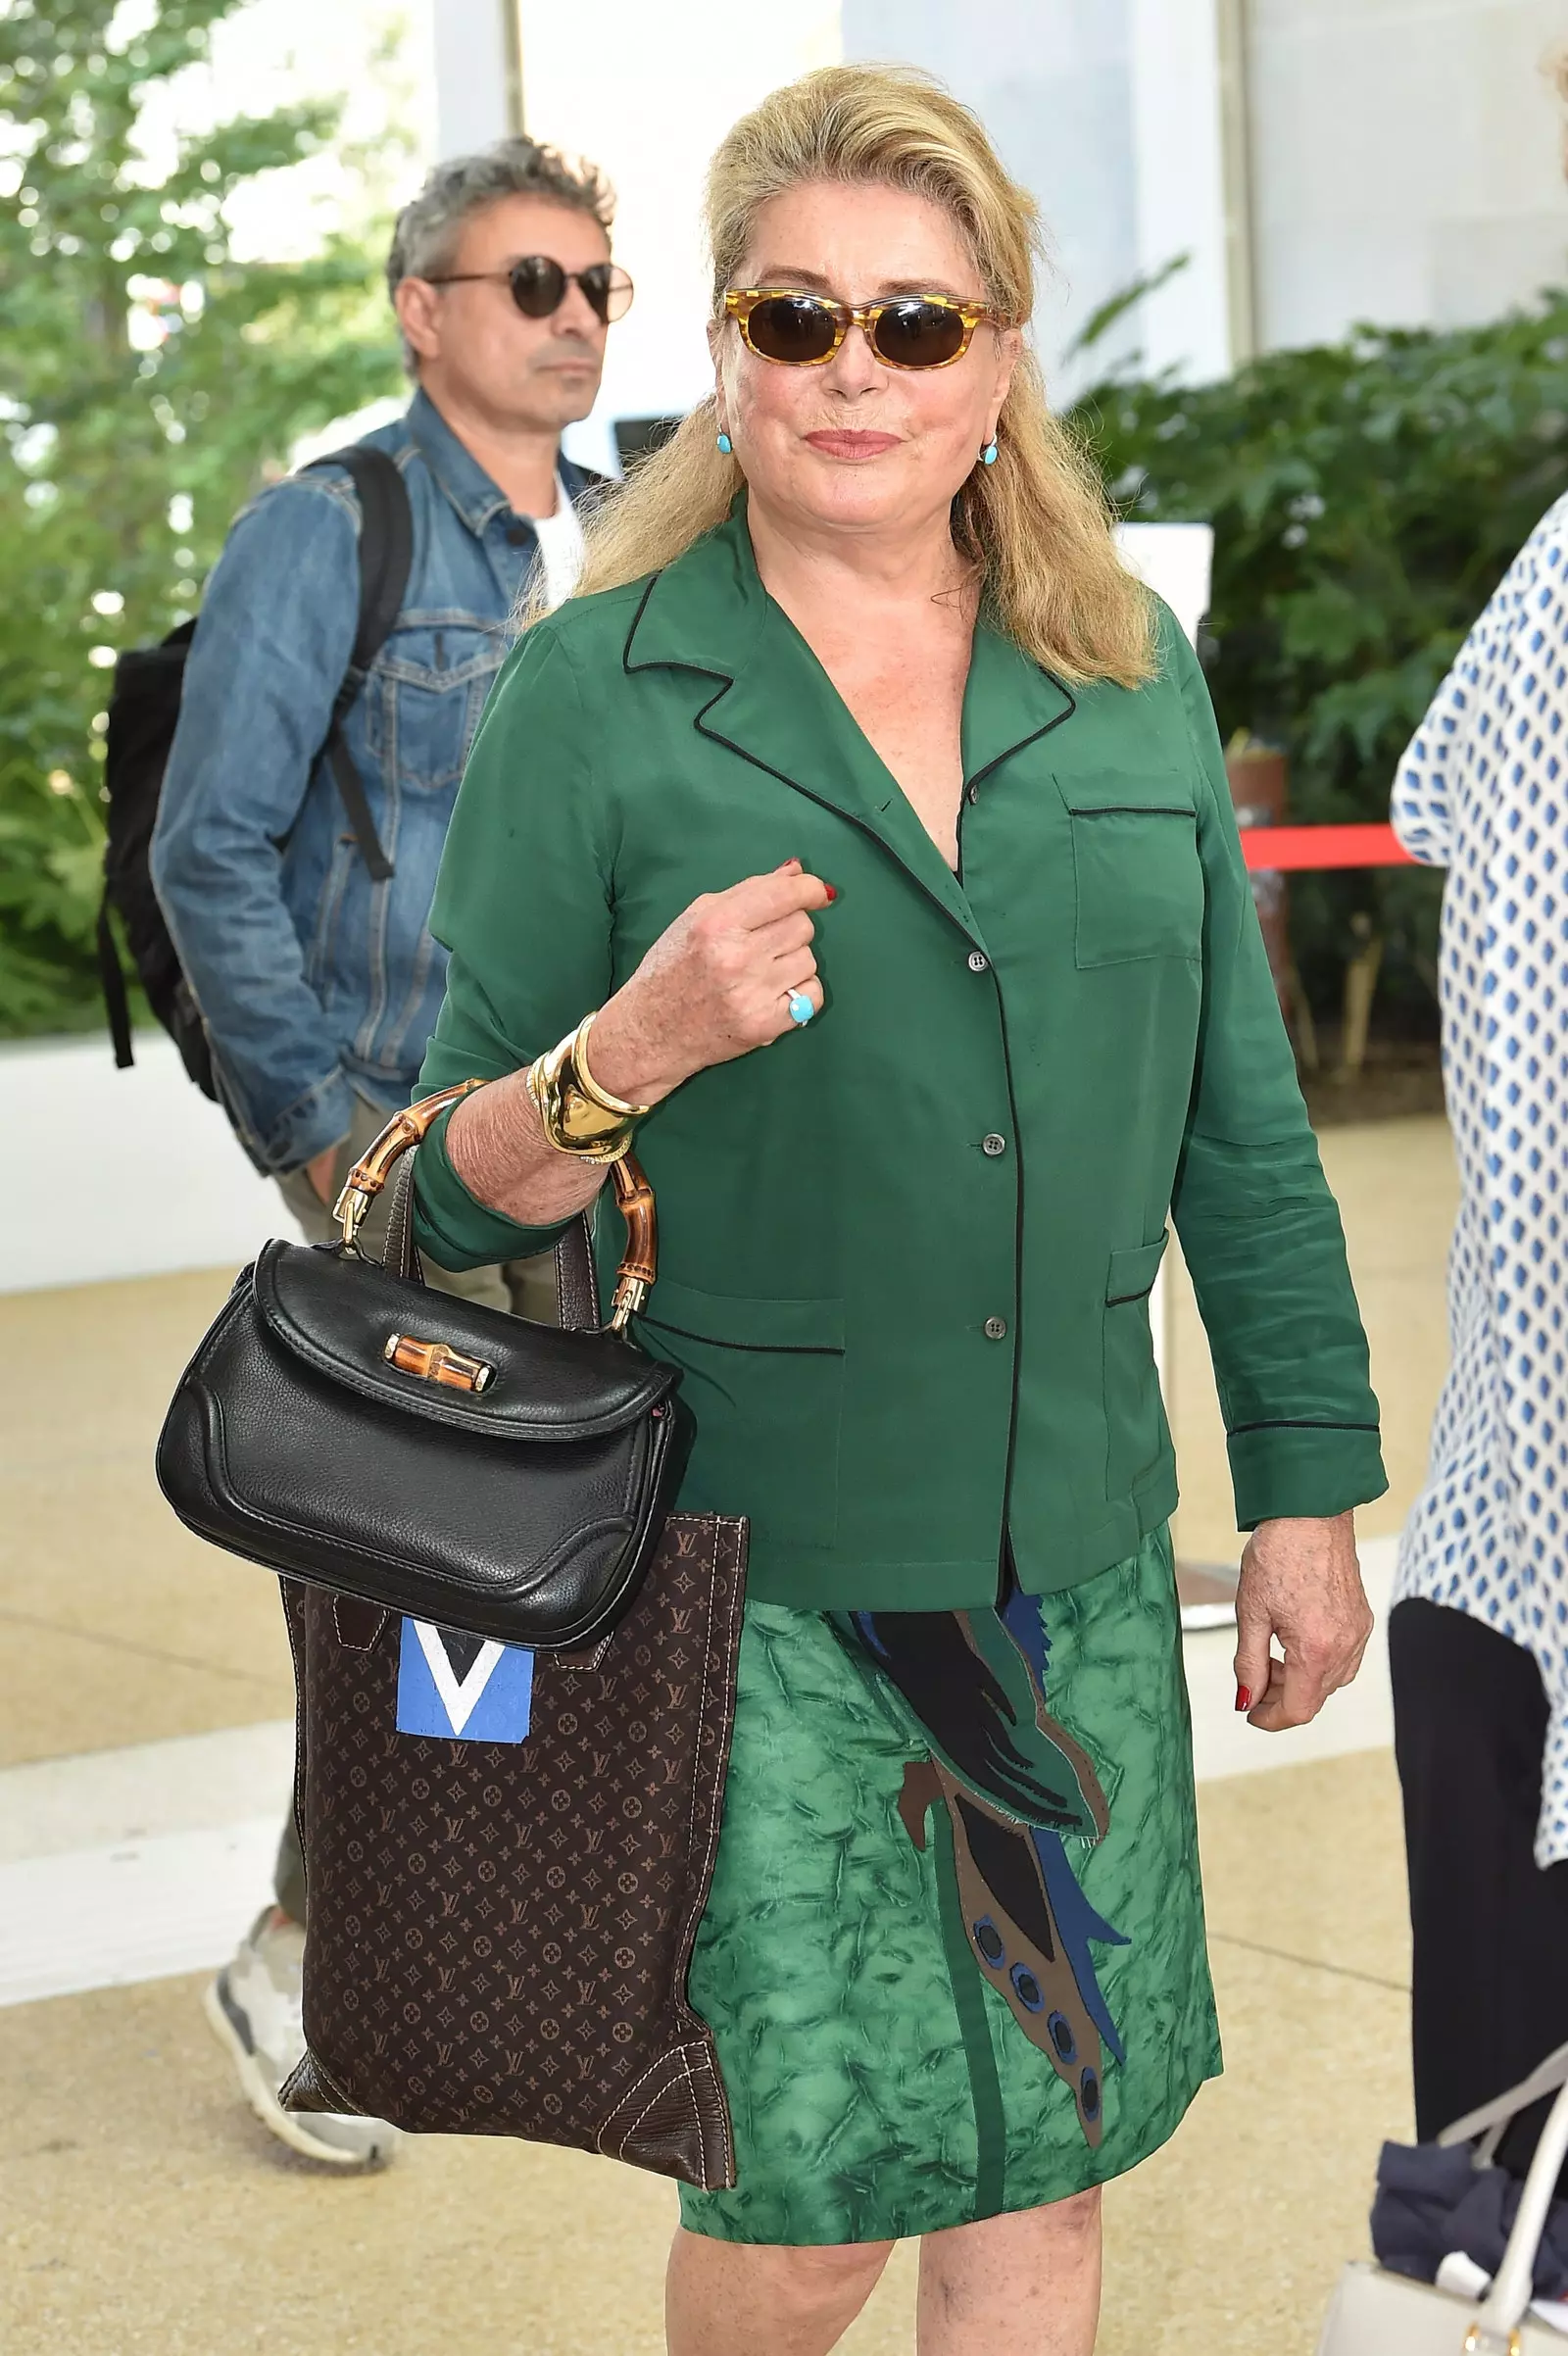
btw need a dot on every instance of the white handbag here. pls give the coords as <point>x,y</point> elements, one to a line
<point>1375,2313</point>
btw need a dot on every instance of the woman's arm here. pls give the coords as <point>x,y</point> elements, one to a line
<point>713,987</point>
<point>1261,1236</point>
<point>524,904</point>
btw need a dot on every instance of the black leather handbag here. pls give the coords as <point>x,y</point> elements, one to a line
<point>349,1428</point>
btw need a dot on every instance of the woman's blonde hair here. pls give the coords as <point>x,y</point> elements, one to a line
<point>1036,523</point>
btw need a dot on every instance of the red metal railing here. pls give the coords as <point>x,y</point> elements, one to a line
<point>1288,849</point>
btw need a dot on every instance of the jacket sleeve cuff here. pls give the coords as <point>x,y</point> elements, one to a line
<point>454,1227</point>
<point>321,1116</point>
<point>1303,1469</point>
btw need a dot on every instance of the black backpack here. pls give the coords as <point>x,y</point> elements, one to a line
<point>143,711</point>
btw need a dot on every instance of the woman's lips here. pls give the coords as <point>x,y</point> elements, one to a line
<point>853,445</point>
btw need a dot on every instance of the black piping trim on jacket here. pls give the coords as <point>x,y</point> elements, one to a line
<point>970,785</point>
<point>797,1350</point>
<point>1301,1423</point>
<point>714,737</point>
<point>1129,809</point>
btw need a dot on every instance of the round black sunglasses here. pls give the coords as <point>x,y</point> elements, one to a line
<point>539,287</point>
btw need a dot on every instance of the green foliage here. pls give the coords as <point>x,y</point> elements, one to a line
<point>150,382</point>
<point>1366,499</point>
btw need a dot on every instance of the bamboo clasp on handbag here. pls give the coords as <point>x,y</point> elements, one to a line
<point>639,1266</point>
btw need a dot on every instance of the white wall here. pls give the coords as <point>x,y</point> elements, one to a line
<point>121,1173</point>
<point>648,93</point>
<point>1108,110</point>
<point>469,45</point>
<point>1406,161</point>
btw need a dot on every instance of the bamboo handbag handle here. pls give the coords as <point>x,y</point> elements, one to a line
<point>634,1197</point>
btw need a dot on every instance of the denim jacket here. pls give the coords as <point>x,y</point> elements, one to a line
<point>315,983</point>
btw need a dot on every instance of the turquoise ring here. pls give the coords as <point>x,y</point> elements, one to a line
<point>801,1008</point>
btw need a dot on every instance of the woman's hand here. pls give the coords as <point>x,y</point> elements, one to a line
<point>1300,1582</point>
<point>712,987</point>
<point>715,986</point>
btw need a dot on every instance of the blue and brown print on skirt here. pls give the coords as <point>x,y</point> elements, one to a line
<point>954,1954</point>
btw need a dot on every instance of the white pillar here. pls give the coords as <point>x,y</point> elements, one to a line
<point>1178,146</point>
<point>477,96</point>
<point>648,92</point>
<point>1109,112</point>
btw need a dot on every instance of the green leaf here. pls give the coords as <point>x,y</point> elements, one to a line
<point>1366,499</point>
<point>102,438</point>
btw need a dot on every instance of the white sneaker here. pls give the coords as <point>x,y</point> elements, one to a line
<point>254,2007</point>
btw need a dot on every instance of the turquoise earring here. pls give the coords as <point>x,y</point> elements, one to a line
<point>987,455</point>
<point>725,444</point>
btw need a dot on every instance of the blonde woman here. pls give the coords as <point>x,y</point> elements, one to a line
<point>861,743</point>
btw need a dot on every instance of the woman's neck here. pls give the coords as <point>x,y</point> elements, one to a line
<point>806,567</point>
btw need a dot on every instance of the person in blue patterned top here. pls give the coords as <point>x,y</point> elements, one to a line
<point>1479,1633</point>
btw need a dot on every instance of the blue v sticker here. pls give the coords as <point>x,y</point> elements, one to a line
<point>463,1686</point>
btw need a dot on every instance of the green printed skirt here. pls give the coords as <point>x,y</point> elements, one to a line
<point>954,1954</point>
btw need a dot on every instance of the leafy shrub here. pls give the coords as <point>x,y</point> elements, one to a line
<point>149,382</point>
<point>1366,499</point>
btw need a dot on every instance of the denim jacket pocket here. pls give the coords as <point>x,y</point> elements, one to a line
<point>428,689</point>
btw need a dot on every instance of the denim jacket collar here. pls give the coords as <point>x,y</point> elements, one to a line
<point>475,497</point>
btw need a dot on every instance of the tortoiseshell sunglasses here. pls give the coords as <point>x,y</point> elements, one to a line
<point>906,332</point>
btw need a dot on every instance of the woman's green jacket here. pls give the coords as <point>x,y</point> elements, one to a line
<point>906,1252</point>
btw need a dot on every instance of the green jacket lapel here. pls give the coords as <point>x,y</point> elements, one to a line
<point>776,708</point>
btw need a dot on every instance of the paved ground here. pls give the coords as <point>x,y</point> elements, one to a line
<point>140,2209</point>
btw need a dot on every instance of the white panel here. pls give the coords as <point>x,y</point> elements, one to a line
<point>145,1790</point>
<point>141,1910</point>
<point>470,74</point>
<point>1108,111</point>
<point>648,93</point>
<point>1406,161</point>
<point>121,1173</point>
<point>1178,149</point>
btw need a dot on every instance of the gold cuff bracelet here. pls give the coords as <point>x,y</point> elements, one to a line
<point>576,1114</point>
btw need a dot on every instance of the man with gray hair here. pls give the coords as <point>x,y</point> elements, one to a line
<point>304,939</point>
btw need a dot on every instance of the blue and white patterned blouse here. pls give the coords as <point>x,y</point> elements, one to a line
<point>1482,790</point>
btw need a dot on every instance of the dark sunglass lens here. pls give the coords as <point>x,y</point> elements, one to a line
<point>795,328</point>
<point>918,336</point>
<point>538,285</point>
<point>607,289</point>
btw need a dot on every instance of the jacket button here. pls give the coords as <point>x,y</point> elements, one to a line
<point>518,534</point>
<point>974,796</point>
<point>978,960</point>
<point>996,1329</point>
<point>993,1145</point>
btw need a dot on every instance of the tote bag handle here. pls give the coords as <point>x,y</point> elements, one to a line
<point>1496,2329</point>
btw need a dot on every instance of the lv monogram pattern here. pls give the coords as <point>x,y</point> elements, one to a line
<point>499,1934</point>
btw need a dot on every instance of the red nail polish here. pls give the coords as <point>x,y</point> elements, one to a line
<point>1243,1697</point>
<point>831,890</point>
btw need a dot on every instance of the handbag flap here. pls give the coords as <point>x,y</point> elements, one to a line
<point>535,1383</point>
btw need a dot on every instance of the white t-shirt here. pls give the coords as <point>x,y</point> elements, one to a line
<point>561,547</point>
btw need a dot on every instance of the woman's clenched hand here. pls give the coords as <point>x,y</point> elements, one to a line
<point>1300,1582</point>
<point>715,986</point>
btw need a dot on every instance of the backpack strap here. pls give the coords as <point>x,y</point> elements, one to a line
<point>386,553</point>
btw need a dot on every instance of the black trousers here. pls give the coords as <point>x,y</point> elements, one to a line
<point>1489,1993</point>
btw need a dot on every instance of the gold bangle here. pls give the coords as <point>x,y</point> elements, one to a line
<point>590,1086</point>
<point>578,1116</point>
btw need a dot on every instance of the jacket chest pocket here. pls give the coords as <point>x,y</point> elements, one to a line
<point>1136,875</point>
<point>765,1383</point>
<point>432,678</point>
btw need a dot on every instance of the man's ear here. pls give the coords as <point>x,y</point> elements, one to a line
<point>418,306</point>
